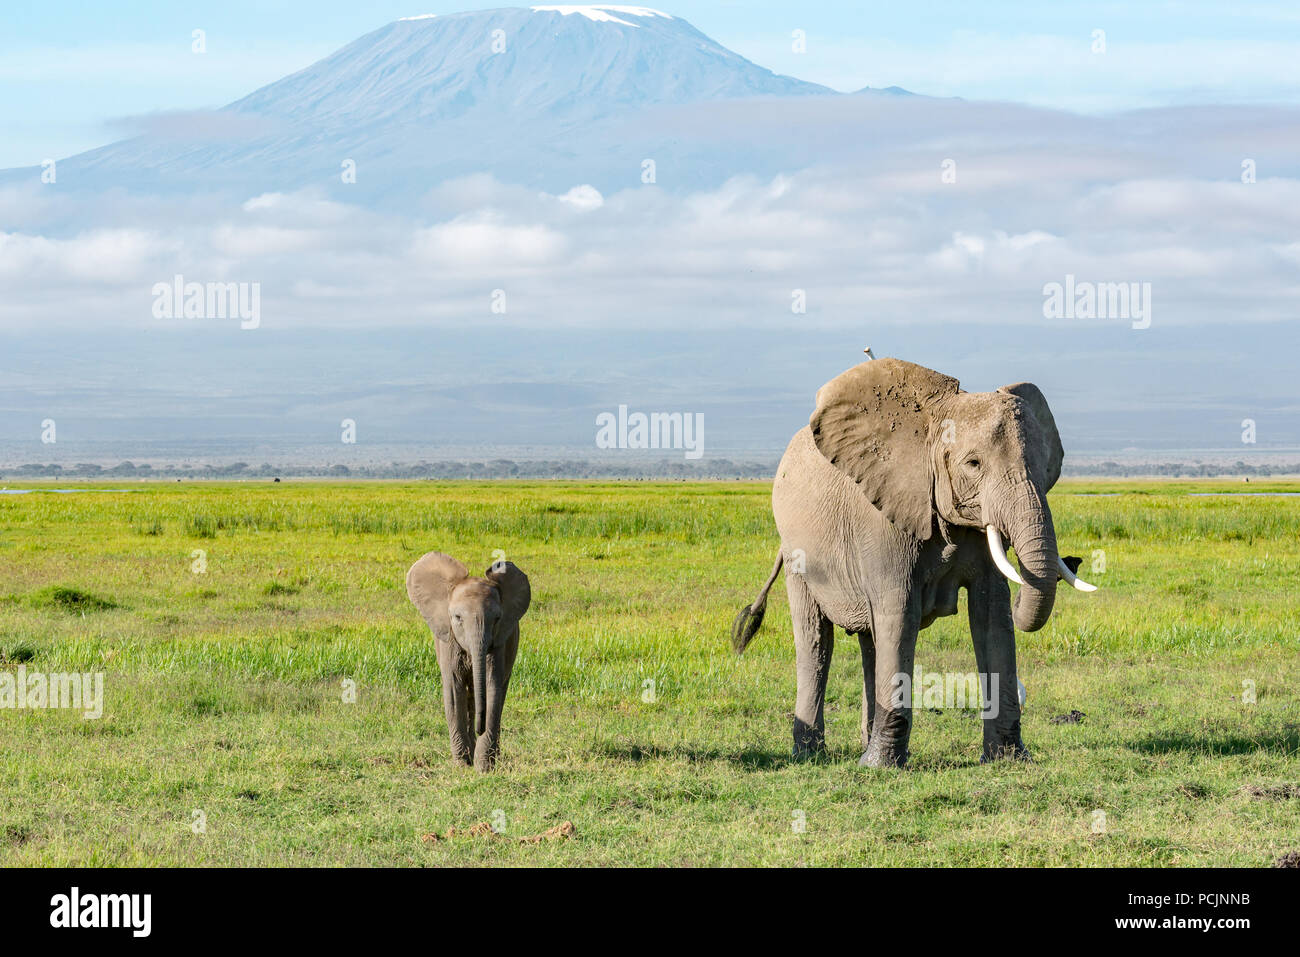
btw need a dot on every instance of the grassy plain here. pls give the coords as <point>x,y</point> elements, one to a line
<point>224,686</point>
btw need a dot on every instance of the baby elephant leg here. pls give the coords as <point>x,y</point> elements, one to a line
<point>500,663</point>
<point>457,704</point>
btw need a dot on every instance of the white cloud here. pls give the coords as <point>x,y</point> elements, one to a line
<point>487,245</point>
<point>882,236</point>
<point>34,266</point>
<point>583,198</point>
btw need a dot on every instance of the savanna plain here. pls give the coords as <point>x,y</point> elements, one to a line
<point>272,698</point>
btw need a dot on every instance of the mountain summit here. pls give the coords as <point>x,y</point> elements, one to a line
<point>554,63</point>
<point>547,96</point>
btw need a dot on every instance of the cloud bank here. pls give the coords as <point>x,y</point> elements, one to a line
<point>930,226</point>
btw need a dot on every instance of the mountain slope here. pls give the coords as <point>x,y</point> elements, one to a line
<point>543,96</point>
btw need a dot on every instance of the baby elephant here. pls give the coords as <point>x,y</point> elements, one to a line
<point>476,623</point>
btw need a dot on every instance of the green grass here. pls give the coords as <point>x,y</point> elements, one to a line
<point>227,617</point>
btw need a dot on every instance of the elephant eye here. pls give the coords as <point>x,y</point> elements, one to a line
<point>973,463</point>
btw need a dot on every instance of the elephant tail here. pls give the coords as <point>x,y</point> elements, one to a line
<point>750,618</point>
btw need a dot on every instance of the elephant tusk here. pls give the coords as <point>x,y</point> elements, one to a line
<point>1072,578</point>
<point>999,553</point>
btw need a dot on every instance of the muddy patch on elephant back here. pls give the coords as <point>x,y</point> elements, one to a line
<point>1072,717</point>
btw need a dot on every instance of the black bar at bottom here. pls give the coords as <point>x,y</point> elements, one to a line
<point>334,906</point>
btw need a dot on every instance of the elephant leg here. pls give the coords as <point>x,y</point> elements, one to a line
<point>994,636</point>
<point>500,664</point>
<point>456,698</point>
<point>891,728</point>
<point>868,645</point>
<point>814,640</point>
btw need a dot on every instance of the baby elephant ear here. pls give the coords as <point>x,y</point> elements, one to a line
<point>513,586</point>
<point>873,424</point>
<point>1050,446</point>
<point>429,584</point>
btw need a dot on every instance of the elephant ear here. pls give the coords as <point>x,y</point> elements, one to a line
<point>429,584</point>
<point>513,586</point>
<point>873,424</point>
<point>1052,451</point>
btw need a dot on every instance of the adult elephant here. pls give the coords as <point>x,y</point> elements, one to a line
<point>899,492</point>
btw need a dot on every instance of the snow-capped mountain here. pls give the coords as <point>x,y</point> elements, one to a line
<point>547,96</point>
<point>558,63</point>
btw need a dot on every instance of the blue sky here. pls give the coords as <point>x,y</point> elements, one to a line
<point>69,70</point>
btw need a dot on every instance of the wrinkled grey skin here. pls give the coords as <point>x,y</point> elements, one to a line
<point>887,520</point>
<point>476,624</point>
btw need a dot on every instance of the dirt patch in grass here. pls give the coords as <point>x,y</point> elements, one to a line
<point>561,832</point>
<point>1273,792</point>
<point>1073,717</point>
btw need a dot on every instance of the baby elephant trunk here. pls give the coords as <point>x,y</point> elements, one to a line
<point>478,662</point>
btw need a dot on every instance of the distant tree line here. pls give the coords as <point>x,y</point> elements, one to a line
<point>492,469</point>
<point>1180,470</point>
<point>560,469</point>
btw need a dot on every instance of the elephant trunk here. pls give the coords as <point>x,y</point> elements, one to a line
<point>478,663</point>
<point>1028,522</point>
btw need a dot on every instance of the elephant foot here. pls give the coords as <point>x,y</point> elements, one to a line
<point>883,757</point>
<point>809,741</point>
<point>485,756</point>
<point>461,753</point>
<point>804,756</point>
<point>1008,751</point>
<point>808,753</point>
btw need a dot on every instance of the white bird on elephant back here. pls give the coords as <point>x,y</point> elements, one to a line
<point>895,496</point>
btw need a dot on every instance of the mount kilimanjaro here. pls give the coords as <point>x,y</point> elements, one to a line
<point>547,96</point>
